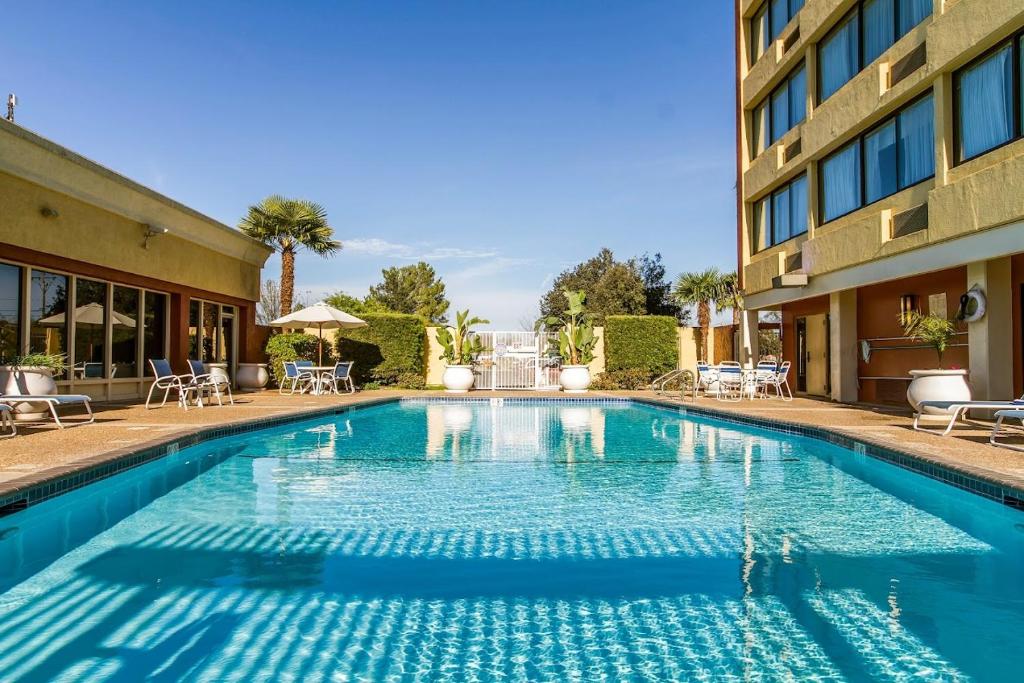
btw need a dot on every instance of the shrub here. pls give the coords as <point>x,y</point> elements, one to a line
<point>630,380</point>
<point>292,346</point>
<point>642,343</point>
<point>387,350</point>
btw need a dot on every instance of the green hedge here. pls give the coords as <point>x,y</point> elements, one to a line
<point>642,343</point>
<point>389,350</point>
<point>293,346</point>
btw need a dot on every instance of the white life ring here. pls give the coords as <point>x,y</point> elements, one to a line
<point>972,305</point>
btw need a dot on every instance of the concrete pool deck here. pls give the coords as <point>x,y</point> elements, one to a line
<point>43,453</point>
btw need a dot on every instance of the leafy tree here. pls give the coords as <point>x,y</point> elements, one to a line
<point>288,225</point>
<point>700,290</point>
<point>414,289</point>
<point>611,288</point>
<point>355,305</point>
<point>658,290</point>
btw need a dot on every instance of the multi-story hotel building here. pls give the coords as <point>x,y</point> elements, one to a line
<point>881,169</point>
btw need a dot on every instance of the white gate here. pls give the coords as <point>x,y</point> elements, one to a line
<point>515,360</point>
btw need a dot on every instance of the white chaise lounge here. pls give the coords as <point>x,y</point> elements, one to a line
<point>1000,427</point>
<point>7,422</point>
<point>52,401</point>
<point>958,409</point>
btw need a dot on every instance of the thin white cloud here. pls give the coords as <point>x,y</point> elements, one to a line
<point>374,246</point>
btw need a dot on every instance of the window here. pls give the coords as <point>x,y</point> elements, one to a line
<point>759,142</point>
<point>48,326</point>
<point>124,333</point>
<point>90,328</point>
<point>988,99</point>
<point>194,311</point>
<point>155,328</point>
<point>869,30</point>
<point>782,215</point>
<point>893,156</point>
<point>780,112</point>
<point>10,312</point>
<point>768,22</point>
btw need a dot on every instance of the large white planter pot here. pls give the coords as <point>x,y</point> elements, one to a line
<point>31,381</point>
<point>575,379</point>
<point>252,376</point>
<point>458,379</point>
<point>937,385</point>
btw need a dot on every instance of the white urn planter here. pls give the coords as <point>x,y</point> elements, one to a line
<point>575,379</point>
<point>458,379</point>
<point>937,385</point>
<point>28,381</point>
<point>252,376</point>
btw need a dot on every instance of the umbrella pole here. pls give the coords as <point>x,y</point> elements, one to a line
<point>320,349</point>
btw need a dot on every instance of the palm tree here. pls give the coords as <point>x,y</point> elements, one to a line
<point>288,225</point>
<point>701,289</point>
<point>731,297</point>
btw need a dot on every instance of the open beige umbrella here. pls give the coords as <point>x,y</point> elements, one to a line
<point>319,315</point>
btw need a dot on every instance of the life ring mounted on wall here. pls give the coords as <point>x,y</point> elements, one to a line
<point>972,305</point>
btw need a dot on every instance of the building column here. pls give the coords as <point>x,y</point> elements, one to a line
<point>843,342</point>
<point>749,353</point>
<point>990,348</point>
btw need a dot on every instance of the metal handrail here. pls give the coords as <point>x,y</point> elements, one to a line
<point>658,384</point>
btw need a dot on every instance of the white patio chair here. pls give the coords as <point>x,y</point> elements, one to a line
<point>340,376</point>
<point>706,376</point>
<point>168,381</point>
<point>208,383</point>
<point>294,379</point>
<point>781,382</point>
<point>731,383</point>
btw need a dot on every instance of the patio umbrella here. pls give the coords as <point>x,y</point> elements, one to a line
<point>321,316</point>
<point>91,317</point>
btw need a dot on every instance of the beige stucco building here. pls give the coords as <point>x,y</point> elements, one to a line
<point>881,169</point>
<point>147,277</point>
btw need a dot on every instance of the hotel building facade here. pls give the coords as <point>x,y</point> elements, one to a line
<point>881,170</point>
<point>145,276</point>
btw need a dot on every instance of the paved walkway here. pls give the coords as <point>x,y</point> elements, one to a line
<point>39,452</point>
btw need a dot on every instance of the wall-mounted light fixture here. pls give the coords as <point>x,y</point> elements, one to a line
<point>152,231</point>
<point>48,212</point>
<point>908,305</point>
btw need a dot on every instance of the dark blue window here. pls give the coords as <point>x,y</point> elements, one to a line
<point>986,94</point>
<point>781,215</point>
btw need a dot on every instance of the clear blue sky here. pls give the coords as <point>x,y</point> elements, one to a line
<point>500,141</point>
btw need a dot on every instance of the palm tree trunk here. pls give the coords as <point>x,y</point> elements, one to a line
<point>287,280</point>
<point>704,320</point>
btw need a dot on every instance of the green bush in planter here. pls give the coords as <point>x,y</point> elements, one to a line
<point>644,345</point>
<point>389,350</point>
<point>293,346</point>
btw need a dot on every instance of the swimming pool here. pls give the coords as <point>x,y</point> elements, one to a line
<point>524,541</point>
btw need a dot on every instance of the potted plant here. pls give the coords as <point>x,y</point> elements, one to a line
<point>460,347</point>
<point>938,384</point>
<point>32,375</point>
<point>576,342</point>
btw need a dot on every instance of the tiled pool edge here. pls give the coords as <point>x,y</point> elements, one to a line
<point>966,479</point>
<point>29,490</point>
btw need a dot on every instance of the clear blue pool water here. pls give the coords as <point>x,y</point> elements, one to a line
<point>524,542</point>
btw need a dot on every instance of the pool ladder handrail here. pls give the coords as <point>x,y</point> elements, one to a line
<point>658,385</point>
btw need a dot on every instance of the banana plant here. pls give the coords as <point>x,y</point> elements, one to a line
<point>576,338</point>
<point>459,345</point>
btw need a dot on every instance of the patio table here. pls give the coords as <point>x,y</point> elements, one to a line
<point>317,387</point>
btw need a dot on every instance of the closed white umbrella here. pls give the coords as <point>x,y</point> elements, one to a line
<point>323,317</point>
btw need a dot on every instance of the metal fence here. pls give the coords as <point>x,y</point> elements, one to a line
<point>515,360</point>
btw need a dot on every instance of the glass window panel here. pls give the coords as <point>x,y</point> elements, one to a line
<point>759,37</point>
<point>760,130</point>
<point>798,97</point>
<point>798,206</point>
<point>780,113</point>
<point>48,328</point>
<point>90,328</point>
<point>209,332</point>
<point>838,58</point>
<point>762,224</point>
<point>194,311</point>
<point>779,17</point>
<point>912,13</point>
<point>986,104</point>
<point>225,354</point>
<point>880,163</point>
<point>879,28</point>
<point>840,175</point>
<point>124,332</point>
<point>917,143</point>
<point>153,339</point>
<point>10,312</point>
<point>781,228</point>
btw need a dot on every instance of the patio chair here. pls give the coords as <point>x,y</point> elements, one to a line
<point>168,381</point>
<point>781,382</point>
<point>53,401</point>
<point>294,379</point>
<point>341,375</point>
<point>706,376</point>
<point>7,421</point>
<point>762,377</point>
<point>959,409</point>
<point>1000,428</point>
<point>731,383</point>
<point>208,383</point>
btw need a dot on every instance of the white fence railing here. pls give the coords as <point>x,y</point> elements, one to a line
<point>515,360</point>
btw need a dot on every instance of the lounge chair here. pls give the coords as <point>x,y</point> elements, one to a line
<point>958,409</point>
<point>52,401</point>
<point>1000,426</point>
<point>7,421</point>
<point>168,381</point>
<point>208,383</point>
<point>341,375</point>
<point>294,379</point>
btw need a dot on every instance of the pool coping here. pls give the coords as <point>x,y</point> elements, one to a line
<point>37,487</point>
